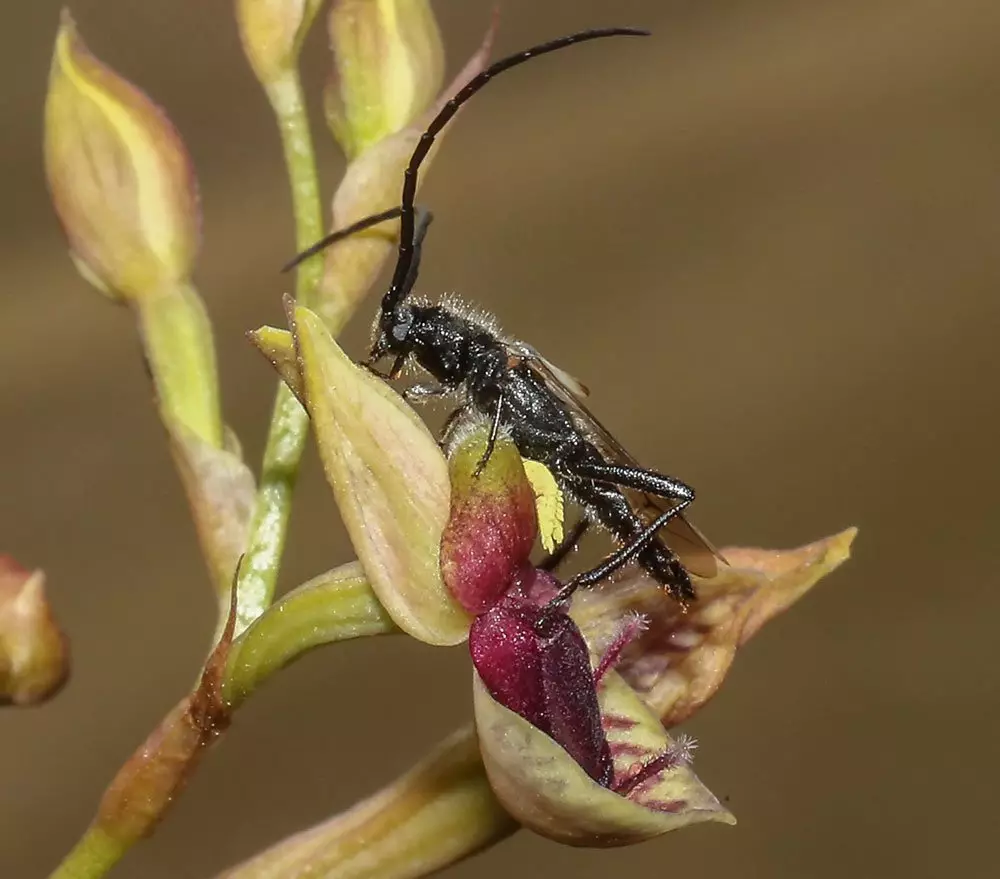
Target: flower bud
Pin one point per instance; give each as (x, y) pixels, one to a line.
(390, 480)
(389, 65)
(272, 32)
(492, 525)
(34, 654)
(119, 174)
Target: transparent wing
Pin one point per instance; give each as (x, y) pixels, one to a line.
(692, 547)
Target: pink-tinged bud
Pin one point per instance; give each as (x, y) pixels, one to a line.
(120, 177)
(390, 480)
(492, 525)
(389, 65)
(34, 653)
(272, 32)
(681, 658)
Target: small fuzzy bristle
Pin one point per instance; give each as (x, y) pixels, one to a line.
(630, 627)
(679, 753)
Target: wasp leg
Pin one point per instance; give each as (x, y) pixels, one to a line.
(450, 423)
(568, 544)
(394, 371)
(601, 493)
(619, 558)
(492, 441)
(624, 476)
(416, 393)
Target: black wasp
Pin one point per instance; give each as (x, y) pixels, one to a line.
(539, 405)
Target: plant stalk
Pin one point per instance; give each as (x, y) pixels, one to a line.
(289, 423)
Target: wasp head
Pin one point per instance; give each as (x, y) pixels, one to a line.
(392, 333)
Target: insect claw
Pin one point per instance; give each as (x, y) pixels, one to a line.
(483, 461)
(370, 366)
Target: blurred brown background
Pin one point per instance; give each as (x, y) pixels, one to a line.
(768, 238)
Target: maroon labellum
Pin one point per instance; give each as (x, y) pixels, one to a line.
(533, 659)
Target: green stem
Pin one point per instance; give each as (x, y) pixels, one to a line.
(95, 853)
(336, 606)
(289, 422)
(177, 338)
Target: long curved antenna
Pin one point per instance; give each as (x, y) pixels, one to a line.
(397, 288)
(346, 232)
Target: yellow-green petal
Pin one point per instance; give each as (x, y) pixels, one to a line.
(390, 480)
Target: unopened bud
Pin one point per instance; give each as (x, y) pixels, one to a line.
(389, 66)
(34, 655)
(272, 32)
(119, 174)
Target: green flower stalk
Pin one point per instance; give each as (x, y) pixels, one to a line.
(125, 192)
(272, 32)
(156, 773)
(135, 235)
(338, 605)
